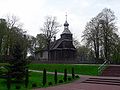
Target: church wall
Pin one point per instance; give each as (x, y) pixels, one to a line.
(62, 55)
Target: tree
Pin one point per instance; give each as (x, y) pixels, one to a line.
(18, 63)
(50, 29)
(32, 45)
(108, 31)
(11, 30)
(13, 21)
(76, 43)
(92, 36)
(100, 34)
(3, 30)
(85, 53)
(14, 43)
(116, 52)
(41, 42)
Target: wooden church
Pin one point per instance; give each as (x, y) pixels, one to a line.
(63, 50)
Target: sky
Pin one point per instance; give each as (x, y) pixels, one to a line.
(32, 13)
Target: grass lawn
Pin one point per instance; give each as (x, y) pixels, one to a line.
(34, 78)
(79, 69)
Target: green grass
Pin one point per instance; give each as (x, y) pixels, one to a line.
(79, 69)
(34, 78)
(37, 77)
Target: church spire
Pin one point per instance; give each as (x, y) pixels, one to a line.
(66, 34)
(66, 16)
(66, 23)
(66, 27)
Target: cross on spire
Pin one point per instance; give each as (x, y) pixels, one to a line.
(66, 23)
(66, 16)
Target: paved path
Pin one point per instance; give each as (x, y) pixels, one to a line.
(49, 72)
(78, 85)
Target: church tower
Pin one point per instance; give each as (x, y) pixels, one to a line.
(66, 34)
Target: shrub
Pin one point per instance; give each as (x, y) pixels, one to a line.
(60, 81)
(55, 77)
(17, 62)
(9, 82)
(17, 87)
(44, 77)
(76, 76)
(69, 79)
(50, 83)
(73, 74)
(34, 85)
(65, 75)
(26, 78)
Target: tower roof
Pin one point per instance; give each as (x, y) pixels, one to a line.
(66, 31)
(66, 27)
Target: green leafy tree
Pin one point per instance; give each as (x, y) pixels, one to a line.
(41, 43)
(3, 30)
(10, 33)
(85, 53)
(15, 45)
(18, 63)
(116, 53)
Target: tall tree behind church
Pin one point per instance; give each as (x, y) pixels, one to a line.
(50, 29)
(100, 34)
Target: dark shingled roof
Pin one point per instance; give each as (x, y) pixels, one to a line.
(56, 44)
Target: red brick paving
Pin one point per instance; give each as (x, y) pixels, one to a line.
(78, 85)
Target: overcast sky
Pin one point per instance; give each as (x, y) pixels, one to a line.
(33, 12)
